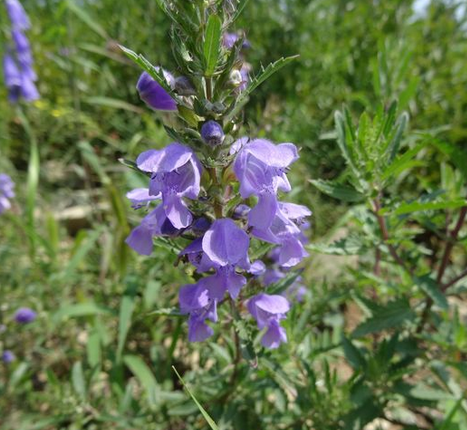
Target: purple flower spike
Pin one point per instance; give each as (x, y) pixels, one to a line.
(25, 315)
(8, 357)
(268, 311)
(212, 133)
(19, 19)
(154, 95)
(6, 192)
(261, 167)
(176, 173)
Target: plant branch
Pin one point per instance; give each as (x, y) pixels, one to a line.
(385, 235)
(444, 264)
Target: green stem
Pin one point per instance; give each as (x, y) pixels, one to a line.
(32, 181)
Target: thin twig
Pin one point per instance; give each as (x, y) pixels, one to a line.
(454, 281)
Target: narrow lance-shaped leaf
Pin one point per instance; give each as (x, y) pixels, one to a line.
(240, 7)
(394, 144)
(265, 74)
(343, 142)
(206, 416)
(212, 43)
(338, 191)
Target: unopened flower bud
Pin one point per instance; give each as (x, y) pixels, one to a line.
(153, 94)
(212, 133)
(236, 78)
(184, 87)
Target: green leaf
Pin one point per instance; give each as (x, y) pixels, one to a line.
(241, 5)
(280, 286)
(351, 245)
(394, 144)
(168, 312)
(432, 290)
(407, 208)
(18, 374)
(77, 377)
(113, 103)
(338, 191)
(212, 43)
(424, 392)
(394, 314)
(457, 156)
(80, 310)
(86, 18)
(124, 322)
(144, 375)
(84, 247)
(404, 162)
(353, 354)
(343, 125)
(265, 74)
(93, 348)
(206, 416)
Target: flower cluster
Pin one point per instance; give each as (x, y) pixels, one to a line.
(220, 195)
(18, 69)
(220, 247)
(6, 192)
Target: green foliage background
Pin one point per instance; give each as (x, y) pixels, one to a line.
(100, 354)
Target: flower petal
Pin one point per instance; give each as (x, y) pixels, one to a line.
(225, 243)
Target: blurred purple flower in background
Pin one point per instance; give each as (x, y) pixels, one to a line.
(25, 315)
(18, 17)
(8, 356)
(154, 95)
(6, 192)
(18, 69)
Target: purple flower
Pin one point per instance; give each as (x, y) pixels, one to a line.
(154, 95)
(25, 315)
(6, 192)
(261, 168)
(268, 311)
(257, 268)
(8, 356)
(154, 224)
(212, 133)
(200, 302)
(196, 256)
(284, 231)
(226, 245)
(175, 174)
(19, 19)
